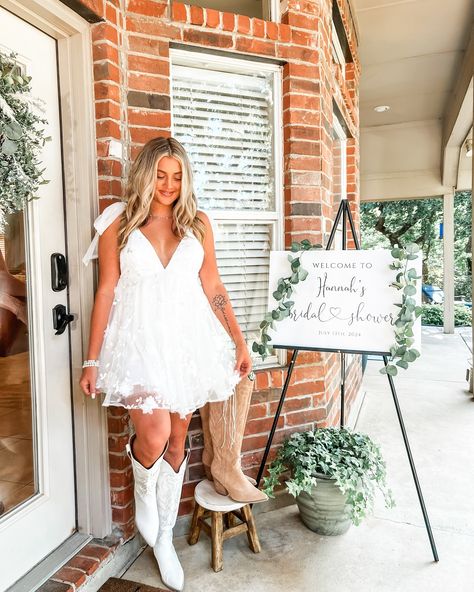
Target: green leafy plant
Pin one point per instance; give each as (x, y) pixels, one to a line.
(432, 314)
(402, 352)
(22, 137)
(352, 459)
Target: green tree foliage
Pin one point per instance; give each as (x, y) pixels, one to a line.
(390, 223)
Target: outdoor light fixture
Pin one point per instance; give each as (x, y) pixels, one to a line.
(382, 108)
(468, 148)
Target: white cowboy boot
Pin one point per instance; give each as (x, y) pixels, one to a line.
(146, 513)
(168, 494)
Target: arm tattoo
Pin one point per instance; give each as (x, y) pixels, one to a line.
(219, 302)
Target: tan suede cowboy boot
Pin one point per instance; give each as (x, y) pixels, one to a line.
(226, 426)
(208, 452)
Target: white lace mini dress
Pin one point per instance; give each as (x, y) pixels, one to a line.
(163, 347)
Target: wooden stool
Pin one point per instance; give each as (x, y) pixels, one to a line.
(228, 519)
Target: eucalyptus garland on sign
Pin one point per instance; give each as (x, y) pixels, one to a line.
(22, 137)
(402, 353)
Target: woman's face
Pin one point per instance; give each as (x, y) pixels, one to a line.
(168, 180)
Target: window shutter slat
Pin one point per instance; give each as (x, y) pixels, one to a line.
(224, 120)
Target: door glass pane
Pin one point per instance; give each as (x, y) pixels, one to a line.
(17, 480)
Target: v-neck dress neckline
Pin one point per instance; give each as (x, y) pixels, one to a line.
(164, 267)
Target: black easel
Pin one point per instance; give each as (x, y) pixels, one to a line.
(344, 211)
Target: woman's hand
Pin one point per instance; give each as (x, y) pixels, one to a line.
(243, 360)
(88, 380)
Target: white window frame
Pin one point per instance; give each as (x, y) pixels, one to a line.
(341, 135)
(275, 218)
(337, 52)
(271, 10)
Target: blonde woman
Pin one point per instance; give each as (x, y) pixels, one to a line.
(164, 339)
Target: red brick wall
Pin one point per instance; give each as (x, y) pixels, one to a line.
(132, 98)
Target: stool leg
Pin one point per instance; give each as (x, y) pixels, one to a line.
(217, 528)
(195, 525)
(254, 542)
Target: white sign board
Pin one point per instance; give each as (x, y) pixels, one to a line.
(346, 303)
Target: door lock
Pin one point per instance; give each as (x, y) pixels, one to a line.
(61, 318)
(59, 272)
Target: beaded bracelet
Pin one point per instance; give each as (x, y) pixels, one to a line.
(88, 363)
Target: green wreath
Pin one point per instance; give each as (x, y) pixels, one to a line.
(402, 353)
(22, 137)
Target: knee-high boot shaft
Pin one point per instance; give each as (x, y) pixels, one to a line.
(168, 495)
(146, 512)
(227, 422)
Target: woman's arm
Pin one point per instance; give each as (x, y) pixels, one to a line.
(109, 273)
(219, 298)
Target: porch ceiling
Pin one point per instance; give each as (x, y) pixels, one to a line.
(412, 52)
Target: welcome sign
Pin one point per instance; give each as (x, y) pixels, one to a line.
(346, 303)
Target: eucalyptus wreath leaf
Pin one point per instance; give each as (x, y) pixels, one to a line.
(295, 264)
(396, 253)
(22, 135)
(9, 147)
(412, 248)
(12, 130)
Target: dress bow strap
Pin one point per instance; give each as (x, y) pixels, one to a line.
(100, 224)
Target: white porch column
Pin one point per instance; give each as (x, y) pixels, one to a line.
(448, 261)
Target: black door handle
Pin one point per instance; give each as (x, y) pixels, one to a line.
(61, 318)
(59, 272)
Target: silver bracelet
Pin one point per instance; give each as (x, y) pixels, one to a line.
(88, 363)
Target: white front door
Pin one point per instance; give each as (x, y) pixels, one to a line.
(37, 493)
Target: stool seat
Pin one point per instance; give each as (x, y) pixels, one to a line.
(207, 497)
(228, 519)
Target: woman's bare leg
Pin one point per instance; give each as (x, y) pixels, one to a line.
(152, 433)
(179, 428)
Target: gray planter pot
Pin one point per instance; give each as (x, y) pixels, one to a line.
(325, 510)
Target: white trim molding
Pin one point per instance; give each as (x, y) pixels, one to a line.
(72, 34)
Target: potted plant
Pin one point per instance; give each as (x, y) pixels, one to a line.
(334, 476)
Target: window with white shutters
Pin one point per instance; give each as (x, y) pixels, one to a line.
(226, 112)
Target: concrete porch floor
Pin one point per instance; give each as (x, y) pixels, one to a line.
(390, 551)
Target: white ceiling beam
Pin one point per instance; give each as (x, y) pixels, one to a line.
(457, 119)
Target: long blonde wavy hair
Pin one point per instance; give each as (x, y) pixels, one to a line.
(141, 189)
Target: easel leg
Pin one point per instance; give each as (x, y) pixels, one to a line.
(412, 464)
(343, 389)
(277, 416)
